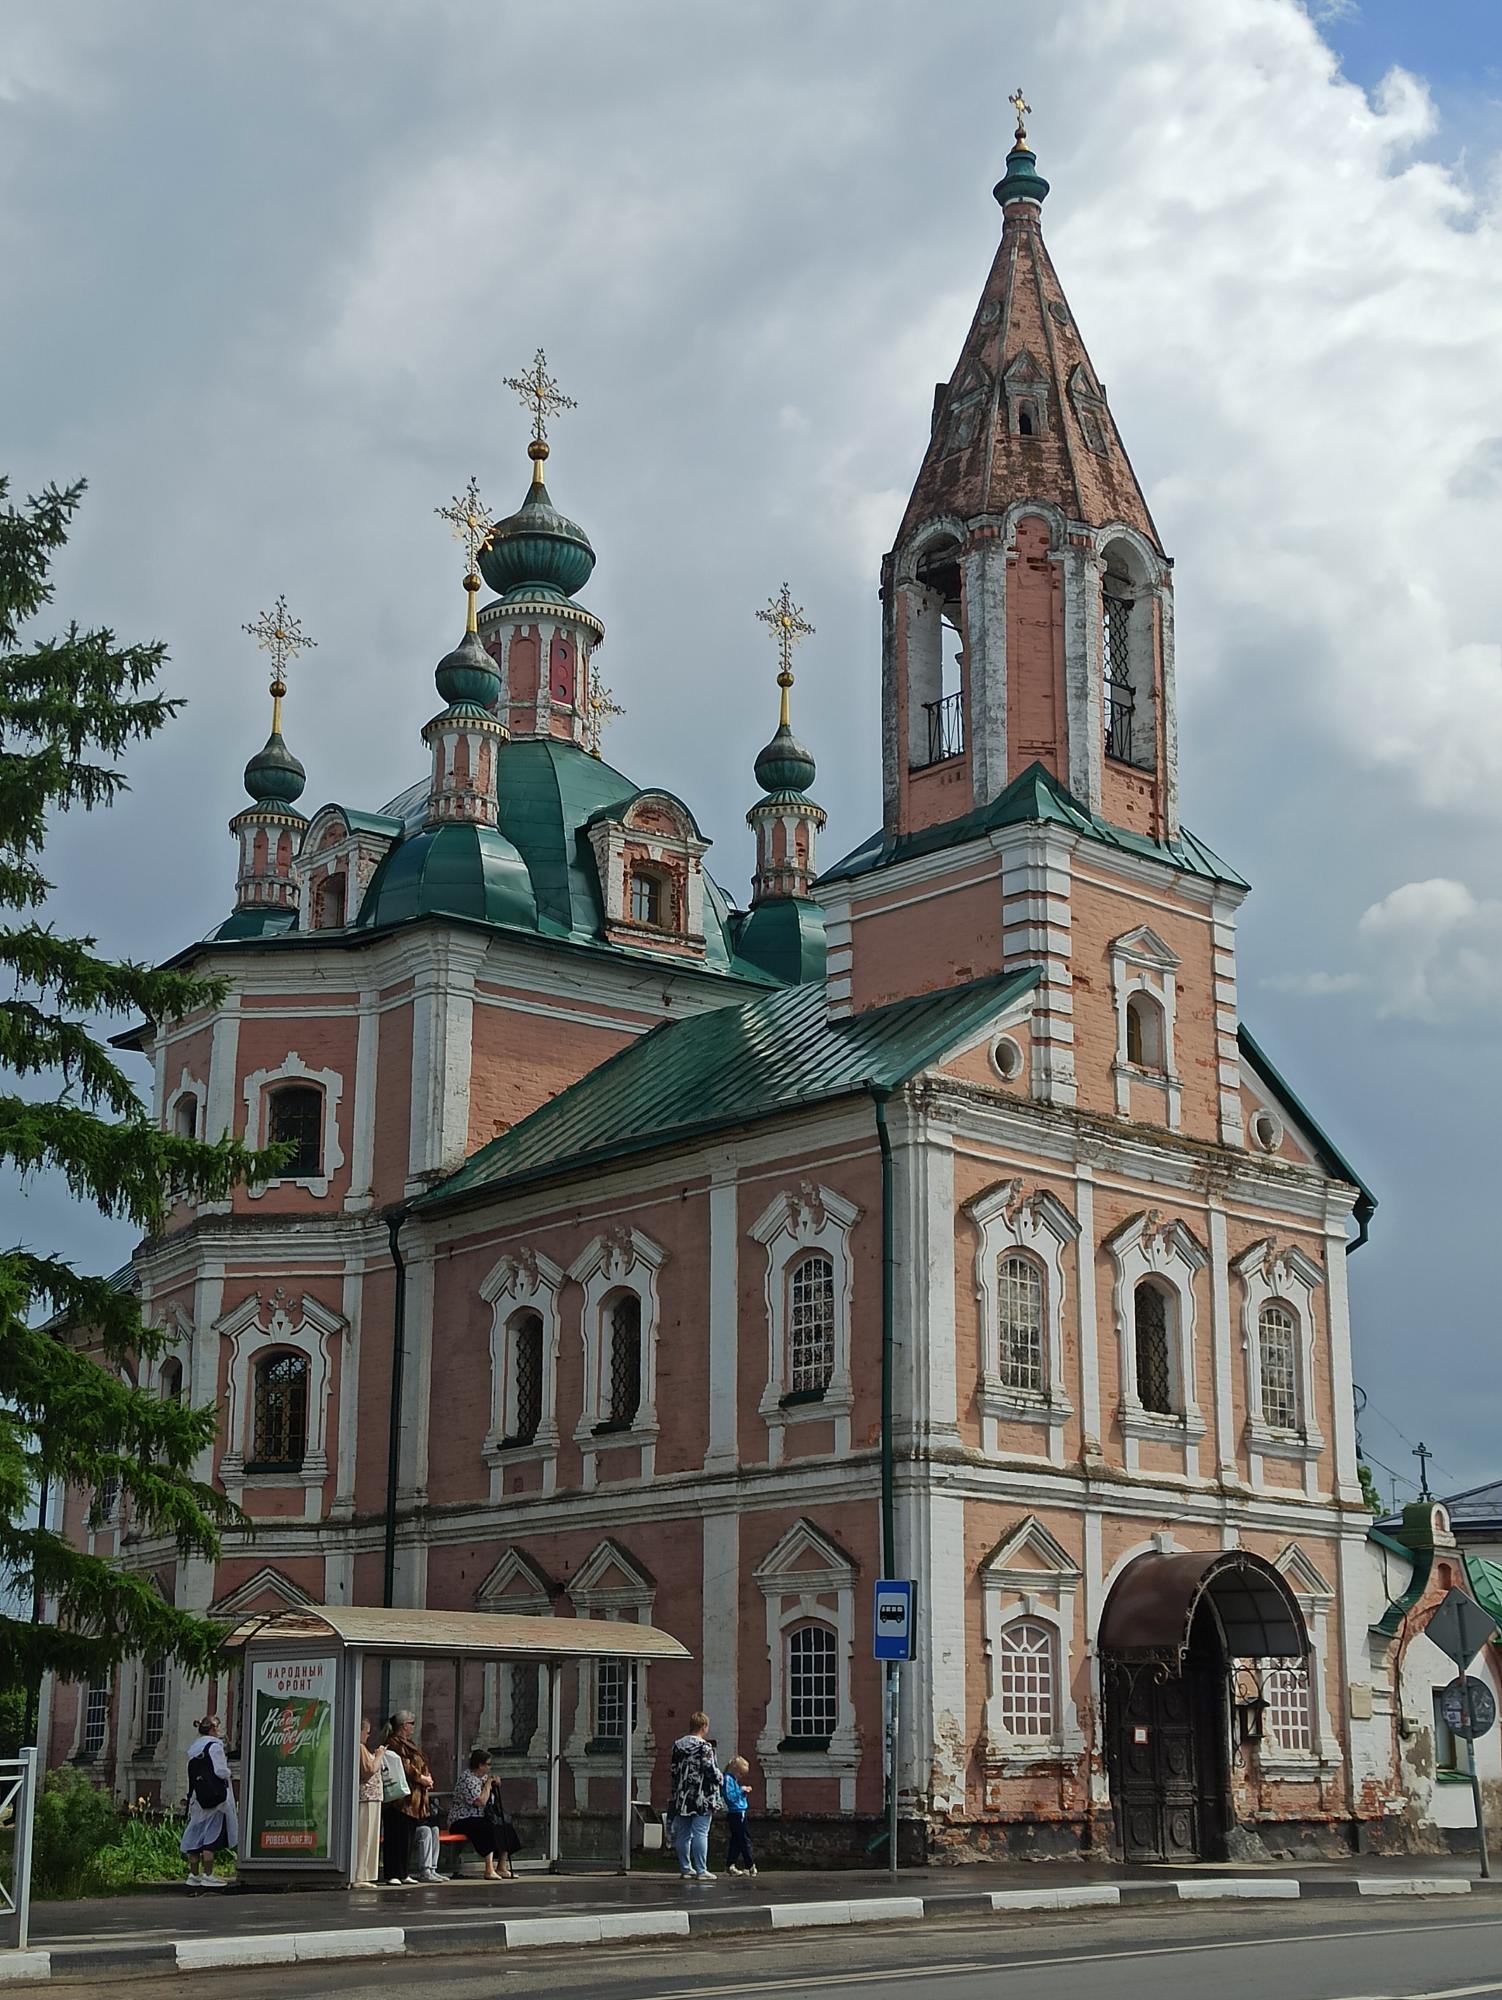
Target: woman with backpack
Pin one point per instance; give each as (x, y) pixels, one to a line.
(213, 1825)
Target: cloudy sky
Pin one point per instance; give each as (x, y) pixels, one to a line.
(267, 266)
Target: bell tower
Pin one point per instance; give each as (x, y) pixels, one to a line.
(1027, 601)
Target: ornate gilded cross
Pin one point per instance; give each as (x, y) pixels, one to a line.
(469, 518)
(786, 620)
(1022, 108)
(540, 393)
(278, 633)
(600, 707)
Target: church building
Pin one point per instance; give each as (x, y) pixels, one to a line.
(641, 1256)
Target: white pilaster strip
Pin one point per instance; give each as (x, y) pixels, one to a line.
(1221, 1349)
(724, 1265)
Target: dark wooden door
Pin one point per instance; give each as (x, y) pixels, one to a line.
(1168, 1775)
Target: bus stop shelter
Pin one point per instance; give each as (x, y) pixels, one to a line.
(303, 1695)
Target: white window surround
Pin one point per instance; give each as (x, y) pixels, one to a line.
(1285, 1276)
(188, 1088)
(620, 1259)
(1038, 1225)
(257, 1087)
(517, 1587)
(522, 1281)
(1149, 1247)
(1029, 1575)
(611, 1584)
(1142, 963)
(808, 1579)
(661, 827)
(257, 1327)
(1316, 1599)
(799, 1220)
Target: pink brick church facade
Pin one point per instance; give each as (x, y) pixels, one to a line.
(645, 1161)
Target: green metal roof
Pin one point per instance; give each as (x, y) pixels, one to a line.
(1326, 1151)
(785, 935)
(1035, 794)
(459, 870)
(258, 923)
(730, 1066)
(1485, 1578)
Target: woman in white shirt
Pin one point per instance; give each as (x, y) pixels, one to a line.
(213, 1824)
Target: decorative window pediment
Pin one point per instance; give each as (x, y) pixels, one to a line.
(1151, 1248)
(521, 1290)
(1020, 1285)
(961, 411)
(1279, 1324)
(617, 1268)
(517, 1585)
(252, 1595)
(609, 1579)
(806, 1559)
(1026, 386)
(1304, 1578)
(1028, 1584)
(809, 1278)
(1089, 408)
(255, 1330)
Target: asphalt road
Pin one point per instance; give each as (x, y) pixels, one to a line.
(1298, 1952)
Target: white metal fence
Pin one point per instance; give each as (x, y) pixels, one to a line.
(18, 1802)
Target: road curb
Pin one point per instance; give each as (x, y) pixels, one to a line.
(129, 1960)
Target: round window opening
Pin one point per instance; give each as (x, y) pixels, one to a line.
(1267, 1131)
(1006, 1058)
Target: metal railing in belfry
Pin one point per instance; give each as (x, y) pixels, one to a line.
(946, 728)
(18, 1806)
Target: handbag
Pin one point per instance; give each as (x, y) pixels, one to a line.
(394, 1786)
(496, 1815)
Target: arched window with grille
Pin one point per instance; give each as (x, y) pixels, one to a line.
(96, 1722)
(621, 1388)
(1151, 1310)
(522, 1709)
(813, 1685)
(810, 1324)
(1026, 1680)
(615, 1682)
(1278, 1357)
(295, 1118)
(525, 1412)
(1019, 1300)
(1121, 700)
(279, 1436)
(170, 1382)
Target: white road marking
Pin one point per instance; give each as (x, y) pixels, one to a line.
(1287, 1940)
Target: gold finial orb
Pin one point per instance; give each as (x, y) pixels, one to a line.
(1023, 110)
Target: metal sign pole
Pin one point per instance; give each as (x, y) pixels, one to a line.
(894, 1698)
(555, 1762)
(628, 1724)
(1470, 1737)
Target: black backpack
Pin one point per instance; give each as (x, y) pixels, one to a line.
(205, 1783)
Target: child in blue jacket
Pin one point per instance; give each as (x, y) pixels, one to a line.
(739, 1860)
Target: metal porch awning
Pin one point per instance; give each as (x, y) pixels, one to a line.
(1152, 1606)
(417, 1634)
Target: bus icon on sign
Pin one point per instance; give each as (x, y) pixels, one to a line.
(892, 1622)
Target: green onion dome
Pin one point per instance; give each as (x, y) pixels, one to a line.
(468, 675)
(1021, 181)
(784, 765)
(274, 776)
(537, 552)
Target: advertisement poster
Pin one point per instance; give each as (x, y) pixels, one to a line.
(292, 1759)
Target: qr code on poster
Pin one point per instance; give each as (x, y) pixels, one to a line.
(291, 1784)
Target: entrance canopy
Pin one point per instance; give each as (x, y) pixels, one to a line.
(427, 1635)
(1151, 1608)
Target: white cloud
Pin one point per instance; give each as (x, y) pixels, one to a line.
(1314, 985)
(1436, 950)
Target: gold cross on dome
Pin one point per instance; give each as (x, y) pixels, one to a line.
(278, 633)
(1022, 108)
(469, 518)
(600, 707)
(539, 392)
(788, 624)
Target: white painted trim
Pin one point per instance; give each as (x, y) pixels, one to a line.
(256, 1091)
(797, 1222)
(1037, 1226)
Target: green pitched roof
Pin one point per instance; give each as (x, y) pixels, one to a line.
(728, 1067)
(1485, 1578)
(1034, 795)
(260, 922)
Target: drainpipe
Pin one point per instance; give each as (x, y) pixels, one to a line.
(879, 1099)
(393, 1219)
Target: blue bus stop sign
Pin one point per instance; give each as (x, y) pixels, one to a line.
(892, 1623)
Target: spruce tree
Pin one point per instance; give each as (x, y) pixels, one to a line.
(70, 1343)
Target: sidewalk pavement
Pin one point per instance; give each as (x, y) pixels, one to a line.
(177, 1929)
